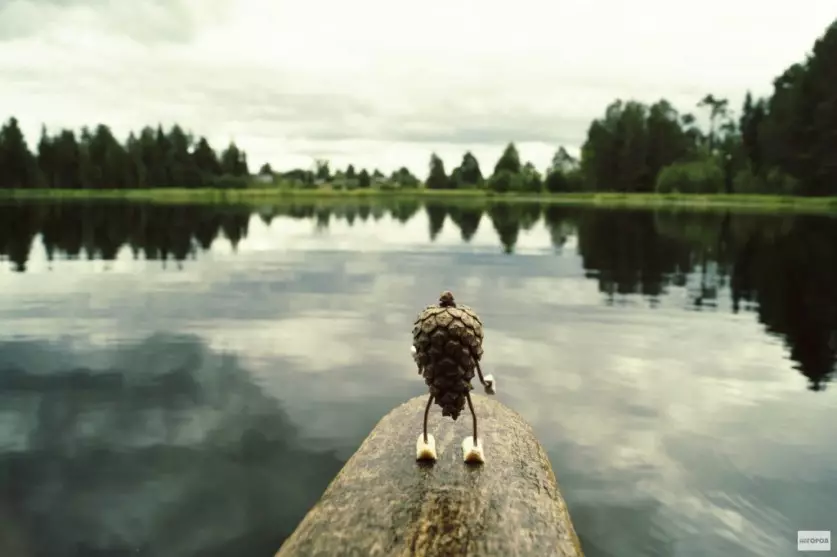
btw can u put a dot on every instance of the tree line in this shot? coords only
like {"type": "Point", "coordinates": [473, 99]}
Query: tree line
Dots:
{"type": "Point", "coordinates": [95, 159]}
{"type": "Point", "coordinates": [779, 144]}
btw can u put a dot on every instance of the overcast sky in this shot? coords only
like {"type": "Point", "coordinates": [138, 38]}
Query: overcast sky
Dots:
{"type": "Point", "coordinates": [382, 83]}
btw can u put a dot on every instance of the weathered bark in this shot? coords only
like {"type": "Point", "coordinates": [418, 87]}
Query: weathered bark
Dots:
{"type": "Point", "coordinates": [383, 502]}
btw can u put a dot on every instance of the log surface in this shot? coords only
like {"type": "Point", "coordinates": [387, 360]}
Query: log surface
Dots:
{"type": "Point", "coordinates": [383, 502]}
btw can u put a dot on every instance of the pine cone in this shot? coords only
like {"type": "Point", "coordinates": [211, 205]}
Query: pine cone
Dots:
{"type": "Point", "coordinates": [448, 342]}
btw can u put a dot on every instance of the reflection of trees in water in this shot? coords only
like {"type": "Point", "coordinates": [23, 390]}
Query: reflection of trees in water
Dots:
{"type": "Point", "coordinates": [508, 218]}
{"type": "Point", "coordinates": [561, 222]}
{"type": "Point", "coordinates": [323, 216]}
{"type": "Point", "coordinates": [349, 213]}
{"type": "Point", "coordinates": [363, 212]}
{"type": "Point", "coordinates": [792, 279]}
{"type": "Point", "coordinates": [779, 265]}
{"type": "Point", "coordinates": [530, 214]}
{"type": "Point", "coordinates": [99, 230]}
{"type": "Point", "coordinates": [627, 254]}
{"type": "Point", "coordinates": [436, 213]}
{"type": "Point", "coordinates": [467, 218]}
{"type": "Point", "coordinates": [377, 212]}
{"type": "Point", "coordinates": [705, 235]}
{"type": "Point", "coordinates": [785, 266]}
{"type": "Point", "coordinates": [171, 450]}
{"type": "Point", "coordinates": [17, 231]}
{"type": "Point", "coordinates": [505, 218]}
{"type": "Point", "coordinates": [403, 210]}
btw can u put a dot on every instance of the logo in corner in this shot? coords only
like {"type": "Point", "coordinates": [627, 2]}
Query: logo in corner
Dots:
{"type": "Point", "coordinates": [813, 540]}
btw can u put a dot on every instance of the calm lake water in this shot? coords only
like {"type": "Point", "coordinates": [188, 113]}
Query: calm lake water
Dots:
{"type": "Point", "coordinates": [186, 380]}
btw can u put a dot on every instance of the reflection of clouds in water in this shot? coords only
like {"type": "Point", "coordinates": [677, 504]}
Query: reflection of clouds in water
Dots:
{"type": "Point", "coordinates": [387, 234]}
{"type": "Point", "coordinates": [285, 239]}
{"type": "Point", "coordinates": [167, 449]}
{"type": "Point", "coordinates": [624, 427]}
{"type": "Point", "coordinates": [321, 342]}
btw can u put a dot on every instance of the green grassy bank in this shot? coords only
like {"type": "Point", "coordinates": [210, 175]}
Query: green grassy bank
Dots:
{"type": "Point", "coordinates": [274, 195]}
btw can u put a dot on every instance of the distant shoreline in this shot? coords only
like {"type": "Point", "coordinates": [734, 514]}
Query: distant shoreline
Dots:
{"type": "Point", "coordinates": [268, 195]}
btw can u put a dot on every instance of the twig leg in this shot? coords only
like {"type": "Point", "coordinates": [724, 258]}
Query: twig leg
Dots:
{"type": "Point", "coordinates": [426, 444]}
{"type": "Point", "coordinates": [472, 447]}
{"type": "Point", "coordinates": [473, 415]}
{"type": "Point", "coordinates": [426, 412]}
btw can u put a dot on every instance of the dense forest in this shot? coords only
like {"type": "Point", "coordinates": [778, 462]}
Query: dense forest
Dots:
{"type": "Point", "coordinates": [781, 144]}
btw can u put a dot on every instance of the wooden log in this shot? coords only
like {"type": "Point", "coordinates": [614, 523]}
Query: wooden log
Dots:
{"type": "Point", "coordinates": [384, 502]}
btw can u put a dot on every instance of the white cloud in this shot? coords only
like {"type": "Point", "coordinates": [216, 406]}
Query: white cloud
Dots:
{"type": "Point", "coordinates": [382, 83]}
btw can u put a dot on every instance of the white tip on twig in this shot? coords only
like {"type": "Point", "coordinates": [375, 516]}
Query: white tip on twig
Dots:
{"type": "Point", "coordinates": [471, 452]}
{"type": "Point", "coordinates": [490, 385]}
{"type": "Point", "coordinates": [426, 451]}
{"type": "Point", "coordinates": [414, 353]}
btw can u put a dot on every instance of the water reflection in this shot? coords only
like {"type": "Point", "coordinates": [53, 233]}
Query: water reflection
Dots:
{"type": "Point", "coordinates": [160, 447]}
{"type": "Point", "coordinates": [783, 267]}
{"type": "Point", "coordinates": [627, 338]}
{"type": "Point", "coordinates": [98, 231]}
